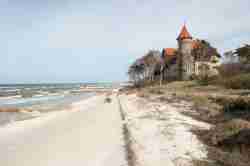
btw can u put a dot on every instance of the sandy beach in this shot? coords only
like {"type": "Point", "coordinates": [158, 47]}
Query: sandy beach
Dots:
{"type": "Point", "coordinates": [160, 133]}
{"type": "Point", "coordinates": [89, 134]}
{"type": "Point", "coordinates": [131, 130]}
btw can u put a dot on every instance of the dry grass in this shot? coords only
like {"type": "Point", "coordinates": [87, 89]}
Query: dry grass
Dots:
{"type": "Point", "coordinates": [205, 163]}
{"type": "Point", "coordinates": [221, 155]}
{"type": "Point", "coordinates": [142, 94]}
{"type": "Point", "coordinates": [200, 101]}
{"type": "Point", "coordinates": [224, 130]}
{"type": "Point", "coordinates": [227, 109]}
{"type": "Point", "coordinates": [156, 91]}
{"type": "Point", "coordinates": [220, 107]}
{"type": "Point", "coordinates": [227, 158]}
{"type": "Point", "coordinates": [234, 103]}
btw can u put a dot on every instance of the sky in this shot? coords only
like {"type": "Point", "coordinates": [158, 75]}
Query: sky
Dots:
{"type": "Point", "coordinates": [50, 41]}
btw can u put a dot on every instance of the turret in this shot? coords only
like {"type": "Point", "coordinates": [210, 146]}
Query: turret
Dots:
{"type": "Point", "coordinates": [185, 60]}
{"type": "Point", "coordinates": [185, 41]}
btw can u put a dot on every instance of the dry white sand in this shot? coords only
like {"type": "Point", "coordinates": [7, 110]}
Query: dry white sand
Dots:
{"type": "Point", "coordinates": [88, 135]}
{"type": "Point", "coordinates": [161, 133]}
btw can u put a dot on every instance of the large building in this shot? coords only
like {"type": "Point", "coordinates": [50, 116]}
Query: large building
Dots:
{"type": "Point", "coordinates": [181, 62]}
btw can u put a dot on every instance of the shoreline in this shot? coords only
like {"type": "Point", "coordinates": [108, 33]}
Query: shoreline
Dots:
{"type": "Point", "coordinates": [138, 131]}
{"type": "Point", "coordinates": [70, 137]}
{"type": "Point", "coordinates": [16, 114]}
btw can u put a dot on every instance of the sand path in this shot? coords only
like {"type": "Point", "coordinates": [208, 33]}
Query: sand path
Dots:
{"type": "Point", "coordinates": [161, 133]}
{"type": "Point", "coordinates": [88, 135]}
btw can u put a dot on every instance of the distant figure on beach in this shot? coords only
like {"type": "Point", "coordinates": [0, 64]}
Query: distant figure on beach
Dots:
{"type": "Point", "coordinates": [108, 98]}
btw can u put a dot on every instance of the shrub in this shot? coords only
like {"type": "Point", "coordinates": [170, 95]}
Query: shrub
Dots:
{"type": "Point", "coordinates": [235, 104]}
{"type": "Point", "coordinates": [235, 107]}
{"type": "Point", "coordinates": [224, 130]}
{"type": "Point", "coordinates": [233, 69]}
{"type": "Point", "coordinates": [204, 74]}
{"type": "Point", "coordinates": [193, 77]}
{"type": "Point", "coordinates": [199, 101]}
{"type": "Point", "coordinates": [156, 91]}
{"type": "Point", "coordinates": [241, 81]}
{"type": "Point", "coordinates": [204, 81]}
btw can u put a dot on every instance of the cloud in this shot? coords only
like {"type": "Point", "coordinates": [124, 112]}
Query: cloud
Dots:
{"type": "Point", "coordinates": [103, 33]}
{"type": "Point", "coordinates": [149, 24]}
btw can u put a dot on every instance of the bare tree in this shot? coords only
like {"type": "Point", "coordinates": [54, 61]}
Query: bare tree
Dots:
{"type": "Point", "coordinates": [136, 72]}
{"type": "Point", "coordinates": [154, 65]}
{"type": "Point", "coordinates": [243, 53]}
{"type": "Point", "coordinates": [147, 68]}
{"type": "Point", "coordinates": [203, 51]}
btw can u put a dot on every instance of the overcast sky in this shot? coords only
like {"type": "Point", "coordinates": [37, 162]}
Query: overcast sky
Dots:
{"type": "Point", "coordinates": [96, 40]}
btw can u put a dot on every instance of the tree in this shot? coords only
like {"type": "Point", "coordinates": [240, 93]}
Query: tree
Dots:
{"type": "Point", "coordinates": [136, 71]}
{"type": "Point", "coordinates": [203, 51]}
{"type": "Point", "coordinates": [204, 74]}
{"type": "Point", "coordinates": [153, 62]}
{"type": "Point", "coordinates": [146, 68]}
{"type": "Point", "coordinates": [229, 57]}
{"type": "Point", "coordinates": [243, 53]}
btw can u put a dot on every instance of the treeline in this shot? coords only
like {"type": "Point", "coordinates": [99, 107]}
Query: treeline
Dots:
{"type": "Point", "coordinates": [152, 67]}
{"type": "Point", "coordinates": [231, 74]}
{"type": "Point", "coordinates": [236, 75]}
{"type": "Point", "coordinates": [147, 69]}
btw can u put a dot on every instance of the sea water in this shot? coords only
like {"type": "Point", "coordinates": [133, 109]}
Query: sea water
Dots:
{"type": "Point", "coordinates": [40, 98]}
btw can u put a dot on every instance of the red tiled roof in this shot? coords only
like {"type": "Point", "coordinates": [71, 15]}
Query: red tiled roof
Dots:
{"type": "Point", "coordinates": [184, 34]}
{"type": "Point", "coordinates": [170, 51]}
{"type": "Point", "coordinates": [195, 44]}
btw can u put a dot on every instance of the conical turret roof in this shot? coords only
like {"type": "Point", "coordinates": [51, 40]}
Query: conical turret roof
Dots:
{"type": "Point", "coordinates": [184, 34]}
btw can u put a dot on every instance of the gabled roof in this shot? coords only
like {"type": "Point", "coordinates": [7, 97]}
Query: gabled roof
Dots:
{"type": "Point", "coordinates": [184, 34]}
{"type": "Point", "coordinates": [169, 52]}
